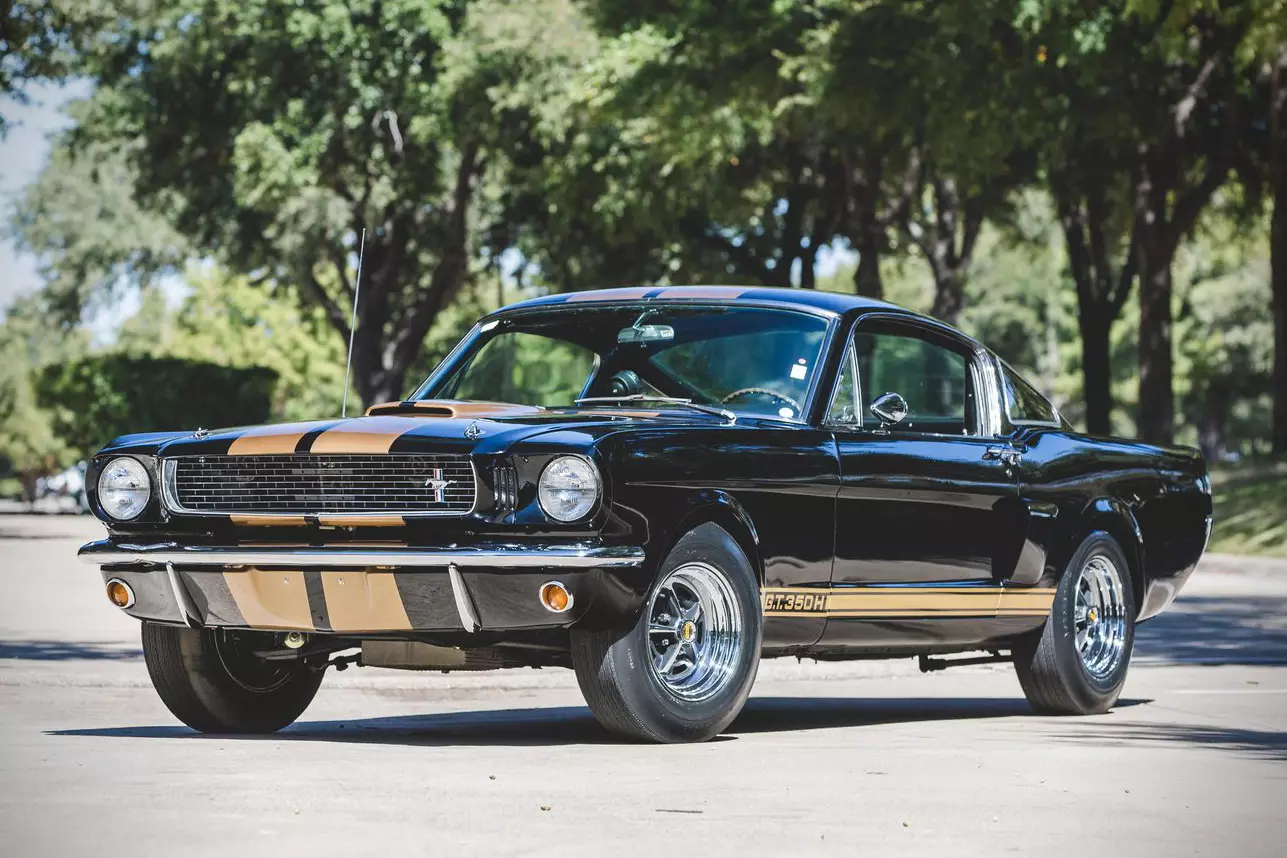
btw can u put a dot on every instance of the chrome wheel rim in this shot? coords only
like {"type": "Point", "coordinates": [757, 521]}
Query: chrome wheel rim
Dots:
{"type": "Point", "coordinates": [694, 632]}
{"type": "Point", "coordinates": [1100, 617]}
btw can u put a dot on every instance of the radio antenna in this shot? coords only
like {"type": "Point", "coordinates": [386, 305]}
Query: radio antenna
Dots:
{"type": "Point", "coordinates": [357, 290]}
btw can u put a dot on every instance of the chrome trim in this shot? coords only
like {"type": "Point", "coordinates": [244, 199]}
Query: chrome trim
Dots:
{"type": "Point", "coordinates": [181, 597]}
{"type": "Point", "coordinates": [170, 498]}
{"type": "Point", "coordinates": [501, 556]}
{"type": "Point", "coordinates": [540, 595]}
{"type": "Point", "coordinates": [464, 603]}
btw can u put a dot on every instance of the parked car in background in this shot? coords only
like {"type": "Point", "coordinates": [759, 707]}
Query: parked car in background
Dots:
{"type": "Point", "coordinates": [656, 487]}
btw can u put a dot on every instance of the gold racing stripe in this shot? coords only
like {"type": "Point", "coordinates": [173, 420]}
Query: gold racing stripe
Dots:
{"type": "Point", "coordinates": [361, 521]}
{"type": "Point", "coordinates": [704, 292]}
{"type": "Point", "coordinates": [368, 435]}
{"type": "Point", "coordinates": [614, 295]}
{"type": "Point", "coordinates": [926, 602]}
{"type": "Point", "coordinates": [268, 520]}
{"type": "Point", "coordinates": [271, 599]}
{"type": "Point", "coordinates": [266, 441]}
{"type": "Point", "coordinates": [364, 602]}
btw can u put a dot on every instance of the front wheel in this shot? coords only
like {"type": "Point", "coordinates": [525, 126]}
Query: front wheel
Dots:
{"type": "Point", "coordinates": [213, 682]}
{"type": "Point", "coordinates": [1076, 664]}
{"type": "Point", "coordinates": [682, 671]}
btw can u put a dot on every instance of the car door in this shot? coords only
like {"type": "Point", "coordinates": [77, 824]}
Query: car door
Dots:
{"type": "Point", "coordinates": [926, 509]}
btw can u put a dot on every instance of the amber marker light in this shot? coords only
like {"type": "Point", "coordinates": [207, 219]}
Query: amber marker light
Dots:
{"type": "Point", "coordinates": [120, 593]}
{"type": "Point", "coordinates": [555, 597]}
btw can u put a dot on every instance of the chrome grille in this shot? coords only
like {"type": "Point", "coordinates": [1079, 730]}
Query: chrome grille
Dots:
{"type": "Point", "coordinates": [426, 484]}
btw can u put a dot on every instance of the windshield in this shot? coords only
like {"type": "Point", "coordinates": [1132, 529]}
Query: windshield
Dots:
{"type": "Point", "coordinates": [747, 360]}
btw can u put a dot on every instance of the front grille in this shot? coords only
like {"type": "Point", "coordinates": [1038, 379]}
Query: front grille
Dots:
{"type": "Point", "coordinates": [429, 484]}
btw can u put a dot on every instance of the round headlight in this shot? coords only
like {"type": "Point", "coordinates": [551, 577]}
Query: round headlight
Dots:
{"type": "Point", "coordinates": [124, 488]}
{"type": "Point", "coordinates": [568, 488]}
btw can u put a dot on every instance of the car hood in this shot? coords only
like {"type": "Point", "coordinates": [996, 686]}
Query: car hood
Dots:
{"type": "Point", "coordinates": [408, 428]}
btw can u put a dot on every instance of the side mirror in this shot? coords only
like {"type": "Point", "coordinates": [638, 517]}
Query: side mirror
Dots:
{"type": "Point", "coordinates": [891, 409]}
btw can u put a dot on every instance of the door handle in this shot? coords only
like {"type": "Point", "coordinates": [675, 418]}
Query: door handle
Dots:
{"type": "Point", "coordinates": [1008, 455]}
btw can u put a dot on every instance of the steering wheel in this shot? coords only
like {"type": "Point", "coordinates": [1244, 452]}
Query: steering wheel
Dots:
{"type": "Point", "coordinates": [764, 391]}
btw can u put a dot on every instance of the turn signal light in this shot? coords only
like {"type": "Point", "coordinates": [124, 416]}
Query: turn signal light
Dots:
{"type": "Point", "coordinates": [555, 597]}
{"type": "Point", "coordinates": [120, 593]}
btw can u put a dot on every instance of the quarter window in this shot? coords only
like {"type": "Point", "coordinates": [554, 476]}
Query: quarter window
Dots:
{"type": "Point", "coordinates": [844, 403]}
{"type": "Point", "coordinates": [934, 380]}
{"type": "Point", "coordinates": [1024, 405]}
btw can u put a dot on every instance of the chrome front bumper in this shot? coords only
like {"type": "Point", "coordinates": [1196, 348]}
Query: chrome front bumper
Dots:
{"type": "Point", "coordinates": [496, 556]}
{"type": "Point", "coordinates": [355, 591]}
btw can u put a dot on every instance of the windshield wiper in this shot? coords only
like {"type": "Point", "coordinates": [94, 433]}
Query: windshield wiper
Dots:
{"type": "Point", "coordinates": [669, 400]}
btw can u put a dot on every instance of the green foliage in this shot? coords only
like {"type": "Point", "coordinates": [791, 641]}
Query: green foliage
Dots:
{"type": "Point", "coordinates": [1251, 508]}
{"type": "Point", "coordinates": [225, 319]}
{"type": "Point", "coordinates": [97, 398]}
{"type": "Point", "coordinates": [28, 444]}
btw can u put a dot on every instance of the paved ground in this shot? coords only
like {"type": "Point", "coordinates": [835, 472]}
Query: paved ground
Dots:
{"type": "Point", "coordinates": [837, 759]}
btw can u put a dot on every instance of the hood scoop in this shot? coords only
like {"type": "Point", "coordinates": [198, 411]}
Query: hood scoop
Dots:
{"type": "Point", "coordinates": [450, 408]}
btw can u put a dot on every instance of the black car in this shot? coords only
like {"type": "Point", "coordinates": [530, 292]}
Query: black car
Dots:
{"type": "Point", "coordinates": [656, 487]}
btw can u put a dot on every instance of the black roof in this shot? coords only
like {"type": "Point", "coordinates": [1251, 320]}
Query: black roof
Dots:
{"type": "Point", "coordinates": [827, 302]}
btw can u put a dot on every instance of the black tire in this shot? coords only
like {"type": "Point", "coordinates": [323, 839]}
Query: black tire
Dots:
{"type": "Point", "coordinates": [190, 669]}
{"type": "Point", "coordinates": [613, 667]}
{"type": "Point", "coordinates": [1051, 671]}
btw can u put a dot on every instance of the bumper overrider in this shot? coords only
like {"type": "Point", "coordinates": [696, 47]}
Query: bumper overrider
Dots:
{"type": "Point", "coordinates": [362, 590]}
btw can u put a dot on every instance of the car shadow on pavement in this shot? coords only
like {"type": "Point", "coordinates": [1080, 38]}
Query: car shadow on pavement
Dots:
{"type": "Point", "coordinates": [67, 651]}
{"type": "Point", "coordinates": [1260, 744]}
{"type": "Point", "coordinates": [1209, 630]}
{"type": "Point", "coordinates": [574, 725]}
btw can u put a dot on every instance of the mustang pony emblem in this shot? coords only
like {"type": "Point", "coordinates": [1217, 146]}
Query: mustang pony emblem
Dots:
{"type": "Point", "coordinates": [438, 484]}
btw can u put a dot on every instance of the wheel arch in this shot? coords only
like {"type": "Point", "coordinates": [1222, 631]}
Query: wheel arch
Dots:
{"type": "Point", "coordinates": [1112, 516]}
{"type": "Point", "coordinates": [722, 509]}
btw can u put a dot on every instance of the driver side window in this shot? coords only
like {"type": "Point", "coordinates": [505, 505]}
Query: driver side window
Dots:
{"type": "Point", "coordinates": [934, 380]}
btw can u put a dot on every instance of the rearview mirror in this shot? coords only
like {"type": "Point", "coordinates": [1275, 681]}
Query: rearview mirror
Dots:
{"type": "Point", "coordinates": [646, 334]}
{"type": "Point", "coordinates": [891, 409]}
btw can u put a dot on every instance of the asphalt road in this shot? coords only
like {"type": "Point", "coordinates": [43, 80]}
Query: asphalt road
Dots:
{"type": "Point", "coordinates": [871, 759]}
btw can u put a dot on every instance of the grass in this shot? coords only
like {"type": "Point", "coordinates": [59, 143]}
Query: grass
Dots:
{"type": "Point", "coordinates": [1251, 508]}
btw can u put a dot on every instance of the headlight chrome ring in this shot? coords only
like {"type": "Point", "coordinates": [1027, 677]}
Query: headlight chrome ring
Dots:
{"type": "Point", "coordinates": [569, 488]}
{"type": "Point", "coordinates": [124, 488]}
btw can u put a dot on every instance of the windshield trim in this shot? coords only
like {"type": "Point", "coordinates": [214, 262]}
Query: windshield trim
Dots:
{"type": "Point", "coordinates": [450, 363]}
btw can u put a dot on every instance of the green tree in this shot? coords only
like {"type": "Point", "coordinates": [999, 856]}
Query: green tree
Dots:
{"type": "Point", "coordinates": [314, 122]}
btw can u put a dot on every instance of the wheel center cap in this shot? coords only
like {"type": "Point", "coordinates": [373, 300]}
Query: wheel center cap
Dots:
{"type": "Point", "coordinates": [1092, 615]}
{"type": "Point", "coordinates": [688, 631]}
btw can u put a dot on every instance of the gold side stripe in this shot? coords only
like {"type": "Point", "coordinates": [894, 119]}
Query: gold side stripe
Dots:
{"type": "Point", "coordinates": [878, 602]}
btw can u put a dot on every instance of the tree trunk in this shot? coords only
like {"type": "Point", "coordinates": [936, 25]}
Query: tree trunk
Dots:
{"type": "Point", "coordinates": [1156, 423]}
{"type": "Point", "coordinates": [867, 277]}
{"type": "Point", "coordinates": [949, 293]}
{"type": "Point", "coordinates": [1278, 245]}
{"type": "Point", "coordinates": [1213, 424]}
{"type": "Point", "coordinates": [1097, 368]}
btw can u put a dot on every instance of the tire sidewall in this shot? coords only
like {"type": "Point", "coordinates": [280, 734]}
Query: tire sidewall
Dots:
{"type": "Point", "coordinates": [1093, 693]}
{"type": "Point", "coordinates": [664, 714]}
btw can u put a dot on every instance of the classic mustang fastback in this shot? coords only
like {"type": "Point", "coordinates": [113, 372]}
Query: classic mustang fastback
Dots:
{"type": "Point", "coordinates": [656, 487]}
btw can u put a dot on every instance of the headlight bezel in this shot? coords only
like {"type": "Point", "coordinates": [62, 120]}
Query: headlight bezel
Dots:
{"type": "Point", "coordinates": [102, 493]}
{"type": "Point", "coordinates": [581, 513]}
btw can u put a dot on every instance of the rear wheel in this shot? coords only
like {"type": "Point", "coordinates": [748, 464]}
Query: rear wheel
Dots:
{"type": "Point", "coordinates": [683, 669]}
{"type": "Point", "coordinates": [1077, 663]}
{"type": "Point", "coordinates": [213, 682]}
